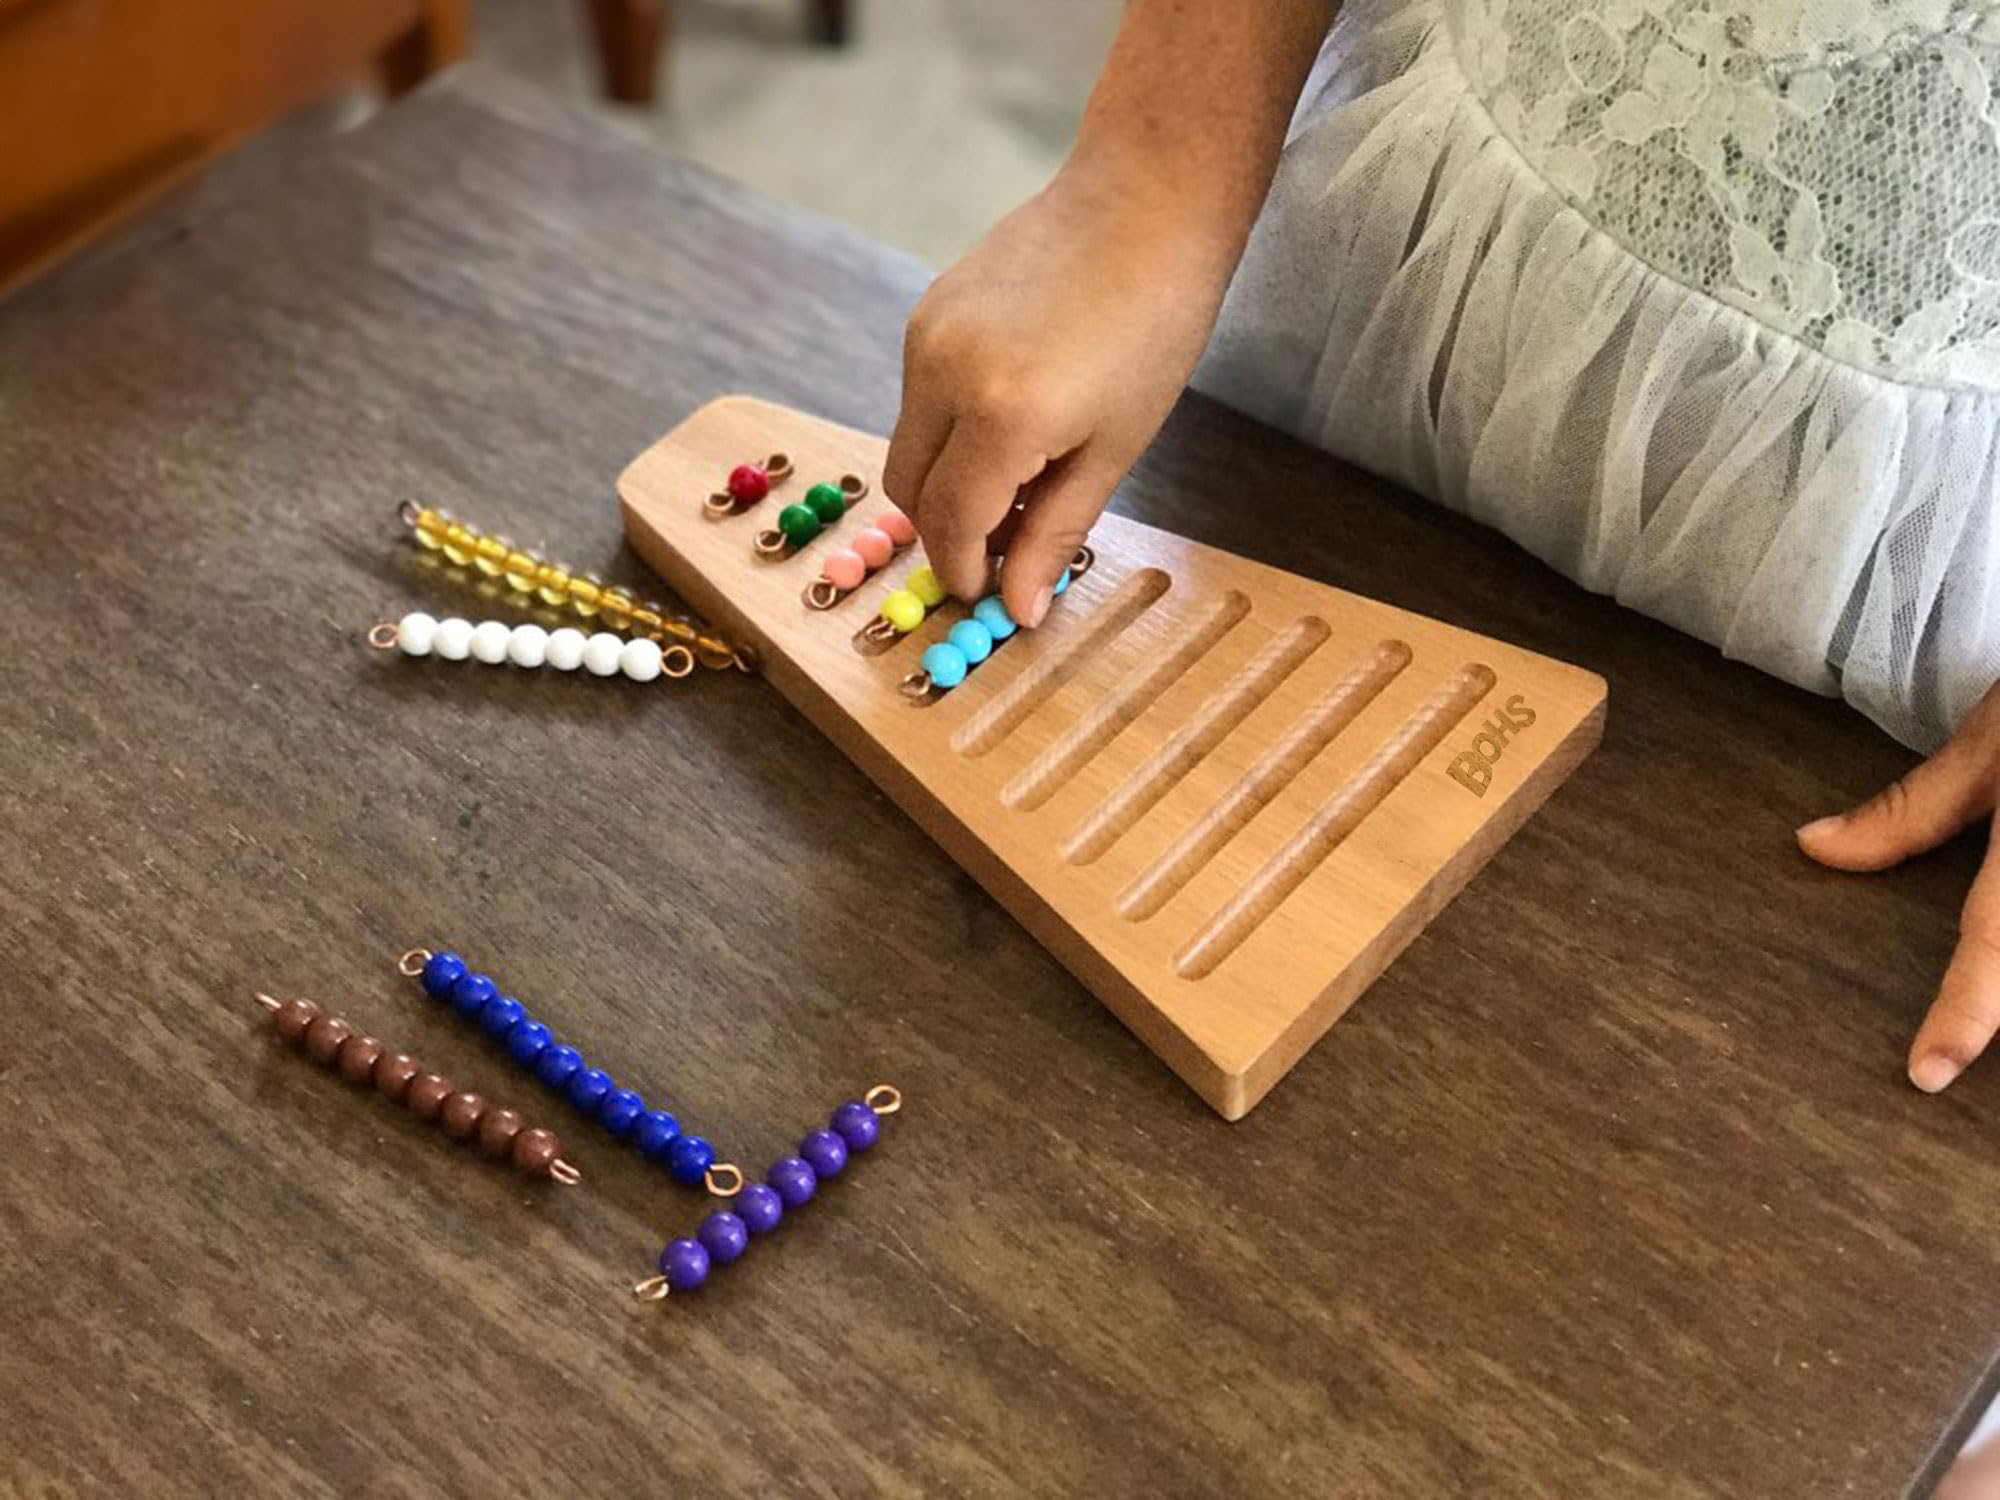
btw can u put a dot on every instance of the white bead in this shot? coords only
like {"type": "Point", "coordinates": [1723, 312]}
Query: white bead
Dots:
{"type": "Point", "coordinates": [415, 632]}
{"type": "Point", "coordinates": [489, 641]}
{"type": "Point", "coordinates": [565, 650]}
{"type": "Point", "coordinates": [600, 653]}
{"type": "Point", "coordinates": [453, 639]}
{"type": "Point", "coordinates": [528, 646]}
{"type": "Point", "coordinates": [640, 660]}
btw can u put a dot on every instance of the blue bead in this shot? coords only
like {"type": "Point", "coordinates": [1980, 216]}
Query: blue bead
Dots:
{"type": "Point", "coordinates": [441, 972]}
{"type": "Point", "coordinates": [588, 1089]}
{"type": "Point", "coordinates": [655, 1132]}
{"type": "Point", "coordinates": [558, 1064]}
{"type": "Point", "coordinates": [856, 1124]}
{"type": "Point", "coordinates": [689, 1159]}
{"type": "Point", "coordinates": [527, 1042]}
{"type": "Point", "coordinates": [825, 1153]}
{"type": "Point", "coordinates": [470, 992]}
{"type": "Point", "coordinates": [974, 640]}
{"type": "Point", "coordinates": [1062, 584]}
{"type": "Point", "coordinates": [685, 1264]}
{"type": "Point", "coordinates": [723, 1236]}
{"type": "Point", "coordinates": [759, 1207]}
{"type": "Point", "coordinates": [946, 664]}
{"type": "Point", "coordinates": [991, 613]}
{"type": "Point", "coordinates": [501, 1015]}
{"type": "Point", "coordinates": [794, 1180]}
{"type": "Point", "coordinates": [620, 1111]}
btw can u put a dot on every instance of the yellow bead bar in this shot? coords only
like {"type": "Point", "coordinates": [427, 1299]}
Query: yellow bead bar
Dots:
{"type": "Point", "coordinates": [925, 585]}
{"type": "Point", "coordinates": [528, 574]}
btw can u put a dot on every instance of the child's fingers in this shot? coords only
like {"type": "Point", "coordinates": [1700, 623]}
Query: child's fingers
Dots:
{"type": "Point", "coordinates": [968, 493]}
{"type": "Point", "coordinates": [1066, 501]}
{"type": "Point", "coordinates": [1915, 813]}
{"type": "Point", "coordinates": [1966, 1013]}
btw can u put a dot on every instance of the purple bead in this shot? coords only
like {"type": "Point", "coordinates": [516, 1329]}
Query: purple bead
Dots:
{"type": "Point", "coordinates": [723, 1236]}
{"type": "Point", "coordinates": [855, 1123]}
{"type": "Point", "coordinates": [794, 1180]}
{"type": "Point", "coordinates": [620, 1111]}
{"type": "Point", "coordinates": [441, 972]}
{"type": "Point", "coordinates": [685, 1264]}
{"type": "Point", "coordinates": [759, 1207]}
{"type": "Point", "coordinates": [825, 1153]}
{"type": "Point", "coordinates": [656, 1131]}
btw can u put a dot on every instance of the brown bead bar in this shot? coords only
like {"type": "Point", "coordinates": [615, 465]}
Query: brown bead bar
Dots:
{"type": "Point", "coordinates": [499, 1133]}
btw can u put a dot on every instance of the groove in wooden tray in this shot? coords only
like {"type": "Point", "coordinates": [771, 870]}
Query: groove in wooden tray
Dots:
{"type": "Point", "coordinates": [1052, 770]}
{"type": "Point", "coordinates": [1191, 743]}
{"type": "Point", "coordinates": [1275, 770]}
{"type": "Point", "coordinates": [1385, 770]}
{"type": "Point", "coordinates": [1045, 676]}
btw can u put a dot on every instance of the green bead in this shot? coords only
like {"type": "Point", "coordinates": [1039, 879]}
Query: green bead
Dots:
{"type": "Point", "coordinates": [826, 502]}
{"type": "Point", "coordinates": [798, 524]}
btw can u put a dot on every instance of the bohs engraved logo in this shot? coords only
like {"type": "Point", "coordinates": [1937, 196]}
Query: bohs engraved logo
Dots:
{"type": "Point", "coordinates": [1473, 768]}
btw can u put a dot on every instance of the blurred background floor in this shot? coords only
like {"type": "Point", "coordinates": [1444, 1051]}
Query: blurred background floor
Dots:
{"type": "Point", "coordinates": [934, 119]}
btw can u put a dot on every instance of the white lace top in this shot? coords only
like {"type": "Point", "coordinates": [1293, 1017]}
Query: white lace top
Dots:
{"type": "Point", "coordinates": [1699, 301]}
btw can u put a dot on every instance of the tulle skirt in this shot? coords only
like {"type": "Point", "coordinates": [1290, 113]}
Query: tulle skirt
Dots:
{"type": "Point", "coordinates": [1419, 301]}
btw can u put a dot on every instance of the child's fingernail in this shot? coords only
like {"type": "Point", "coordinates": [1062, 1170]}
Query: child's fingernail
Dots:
{"type": "Point", "coordinates": [1040, 607]}
{"type": "Point", "coordinates": [1820, 825]}
{"type": "Point", "coordinates": [1932, 1072]}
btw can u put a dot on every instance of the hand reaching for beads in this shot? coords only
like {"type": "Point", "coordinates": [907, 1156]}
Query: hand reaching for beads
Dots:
{"type": "Point", "coordinates": [1036, 369]}
{"type": "Point", "coordinates": [1953, 789]}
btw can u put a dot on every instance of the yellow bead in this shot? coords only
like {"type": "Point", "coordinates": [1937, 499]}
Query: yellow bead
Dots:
{"type": "Point", "coordinates": [924, 584]}
{"type": "Point", "coordinates": [490, 556]}
{"type": "Point", "coordinates": [431, 528]}
{"type": "Point", "coordinates": [552, 583]}
{"type": "Point", "coordinates": [583, 595]}
{"type": "Point", "coordinates": [904, 610]}
{"type": "Point", "coordinates": [521, 571]}
{"type": "Point", "coordinates": [614, 607]}
{"type": "Point", "coordinates": [459, 540]}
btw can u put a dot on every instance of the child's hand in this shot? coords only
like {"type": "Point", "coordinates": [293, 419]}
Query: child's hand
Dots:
{"type": "Point", "coordinates": [1039, 367]}
{"type": "Point", "coordinates": [1952, 789]}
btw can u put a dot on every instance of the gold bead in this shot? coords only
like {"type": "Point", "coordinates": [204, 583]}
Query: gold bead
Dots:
{"type": "Point", "coordinates": [552, 583]}
{"type": "Point", "coordinates": [614, 607]}
{"type": "Point", "coordinates": [646, 621]}
{"type": "Point", "coordinates": [522, 568]}
{"type": "Point", "coordinates": [490, 556]}
{"type": "Point", "coordinates": [680, 630]}
{"type": "Point", "coordinates": [584, 594]}
{"type": "Point", "coordinates": [459, 541]}
{"type": "Point", "coordinates": [430, 529]}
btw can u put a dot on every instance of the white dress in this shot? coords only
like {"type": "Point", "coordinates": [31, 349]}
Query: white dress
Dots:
{"type": "Point", "coordinates": [1697, 301]}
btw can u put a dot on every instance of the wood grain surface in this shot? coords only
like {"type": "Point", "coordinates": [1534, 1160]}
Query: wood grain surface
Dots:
{"type": "Point", "coordinates": [1611, 1186]}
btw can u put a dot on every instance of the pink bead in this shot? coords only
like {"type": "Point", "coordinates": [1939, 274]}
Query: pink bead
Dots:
{"type": "Point", "coordinates": [844, 567]}
{"type": "Point", "coordinates": [873, 545]}
{"type": "Point", "coordinates": [897, 527]}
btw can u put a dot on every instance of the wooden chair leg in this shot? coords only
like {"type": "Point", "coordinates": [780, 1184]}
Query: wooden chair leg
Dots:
{"type": "Point", "coordinates": [629, 35]}
{"type": "Point", "coordinates": [829, 21]}
{"type": "Point", "coordinates": [438, 38]}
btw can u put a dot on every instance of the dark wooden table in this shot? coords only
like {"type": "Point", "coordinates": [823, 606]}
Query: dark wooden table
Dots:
{"type": "Point", "coordinates": [1611, 1186]}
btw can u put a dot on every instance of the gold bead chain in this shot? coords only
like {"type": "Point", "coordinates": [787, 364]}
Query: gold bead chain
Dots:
{"type": "Point", "coordinates": [533, 576]}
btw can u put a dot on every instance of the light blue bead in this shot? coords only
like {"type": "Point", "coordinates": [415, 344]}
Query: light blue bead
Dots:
{"type": "Point", "coordinates": [973, 639]}
{"type": "Point", "coordinates": [1062, 583]}
{"type": "Point", "coordinates": [946, 664]}
{"type": "Point", "coordinates": [991, 613]}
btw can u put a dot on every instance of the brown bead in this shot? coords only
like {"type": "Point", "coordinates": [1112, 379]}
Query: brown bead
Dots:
{"type": "Point", "coordinates": [535, 1151]}
{"type": "Point", "coordinates": [461, 1115]}
{"type": "Point", "coordinates": [357, 1058]}
{"type": "Point", "coordinates": [325, 1036]}
{"type": "Point", "coordinates": [293, 1017]}
{"type": "Point", "coordinates": [393, 1072]}
{"type": "Point", "coordinates": [497, 1129]}
{"type": "Point", "coordinates": [426, 1095]}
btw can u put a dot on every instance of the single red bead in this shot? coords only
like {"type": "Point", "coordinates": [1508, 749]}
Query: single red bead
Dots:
{"type": "Point", "coordinates": [748, 483]}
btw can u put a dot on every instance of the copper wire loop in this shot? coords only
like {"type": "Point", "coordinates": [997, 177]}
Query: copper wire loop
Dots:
{"type": "Point", "coordinates": [411, 964]}
{"type": "Point", "coordinates": [407, 513]}
{"type": "Point", "coordinates": [877, 630]}
{"type": "Point", "coordinates": [1082, 562]}
{"type": "Point", "coordinates": [853, 487]}
{"type": "Point", "coordinates": [268, 1002]}
{"type": "Point", "coordinates": [735, 1175]}
{"type": "Point", "coordinates": [652, 1289]}
{"type": "Point", "coordinates": [383, 637]}
{"type": "Point", "coordinates": [821, 594]}
{"type": "Point", "coordinates": [916, 687]}
{"type": "Point", "coordinates": [718, 505]}
{"type": "Point", "coordinates": [744, 659]}
{"type": "Point", "coordinates": [884, 1098]}
{"type": "Point", "coordinates": [770, 543]}
{"type": "Point", "coordinates": [676, 661]}
{"type": "Point", "coordinates": [778, 467]}
{"type": "Point", "coordinates": [561, 1171]}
